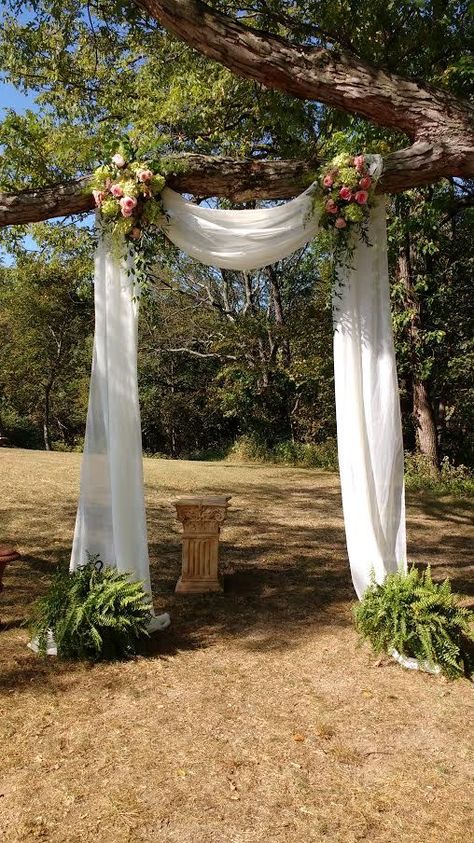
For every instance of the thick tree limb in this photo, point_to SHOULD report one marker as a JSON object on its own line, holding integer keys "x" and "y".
{"x": 439, "y": 125}
{"x": 239, "y": 181}
{"x": 339, "y": 79}
{"x": 202, "y": 176}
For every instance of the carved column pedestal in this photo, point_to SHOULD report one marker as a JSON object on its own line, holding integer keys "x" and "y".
{"x": 201, "y": 519}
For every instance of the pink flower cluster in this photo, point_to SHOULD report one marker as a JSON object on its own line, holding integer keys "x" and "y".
{"x": 127, "y": 204}
{"x": 360, "y": 195}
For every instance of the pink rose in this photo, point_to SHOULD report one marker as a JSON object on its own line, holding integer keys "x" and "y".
{"x": 118, "y": 160}
{"x": 345, "y": 193}
{"x": 328, "y": 181}
{"x": 359, "y": 162}
{"x": 98, "y": 197}
{"x": 361, "y": 197}
{"x": 128, "y": 202}
{"x": 116, "y": 191}
{"x": 340, "y": 222}
{"x": 365, "y": 182}
{"x": 145, "y": 175}
{"x": 331, "y": 207}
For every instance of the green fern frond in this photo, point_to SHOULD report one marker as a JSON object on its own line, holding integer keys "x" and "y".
{"x": 419, "y": 618}
{"x": 95, "y": 612}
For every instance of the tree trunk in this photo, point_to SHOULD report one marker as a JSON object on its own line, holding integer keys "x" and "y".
{"x": 278, "y": 313}
{"x": 423, "y": 412}
{"x": 47, "y": 417}
{"x": 426, "y": 434}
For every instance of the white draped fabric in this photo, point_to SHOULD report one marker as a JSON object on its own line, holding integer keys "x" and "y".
{"x": 369, "y": 430}
{"x": 111, "y": 514}
{"x": 239, "y": 239}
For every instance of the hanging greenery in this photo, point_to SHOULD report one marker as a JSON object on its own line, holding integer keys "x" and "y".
{"x": 419, "y": 619}
{"x": 93, "y": 613}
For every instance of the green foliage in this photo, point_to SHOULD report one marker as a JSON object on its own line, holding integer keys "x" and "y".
{"x": 451, "y": 479}
{"x": 102, "y": 71}
{"x": 430, "y": 232}
{"x": 304, "y": 455}
{"x": 45, "y": 338}
{"x": 94, "y": 613}
{"x": 420, "y": 619}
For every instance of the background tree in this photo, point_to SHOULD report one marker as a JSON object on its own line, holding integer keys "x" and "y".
{"x": 45, "y": 339}
{"x": 433, "y": 260}
{"x": 223, "y": 354}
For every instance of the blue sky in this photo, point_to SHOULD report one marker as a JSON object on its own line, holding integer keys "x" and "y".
{"x": 10, "y": 97}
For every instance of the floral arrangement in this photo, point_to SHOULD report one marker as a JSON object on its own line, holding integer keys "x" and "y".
{"x": 345, "y": 194}
{"x": 127, "y": 194}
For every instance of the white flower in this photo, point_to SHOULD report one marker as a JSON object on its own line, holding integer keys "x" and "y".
{"x": 118, "y": 160}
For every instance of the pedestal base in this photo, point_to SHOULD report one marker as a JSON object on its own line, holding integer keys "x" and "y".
{"x": 197, "y": 586}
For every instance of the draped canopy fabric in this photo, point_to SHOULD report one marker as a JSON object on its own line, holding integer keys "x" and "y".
{"x": 111, "y": 514}
{"x": 242, "y": 240}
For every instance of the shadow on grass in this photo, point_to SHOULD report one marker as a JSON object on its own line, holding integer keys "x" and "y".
{"x": 284, "y": 579}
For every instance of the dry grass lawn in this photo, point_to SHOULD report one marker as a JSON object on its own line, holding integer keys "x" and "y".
{"x": 256, "y": 717}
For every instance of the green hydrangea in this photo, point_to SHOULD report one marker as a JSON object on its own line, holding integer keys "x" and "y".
{"x": 157, "y": 183}
{"x": 348, "y": 176}
{"x": 130, "y": 188}
{"x": 341, "y": 160}
{"x": 153, "y": 213}
{"x": 353, "y": 213}
{"x": 109, "y": 209}
{"x": 123, "y": 226}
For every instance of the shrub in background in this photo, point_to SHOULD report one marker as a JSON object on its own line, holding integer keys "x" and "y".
{"x": 420, "y": 619}
{"x": 451, "y": 480}
{"x": 94, "y": 613}
{"x": 300, "y": 454}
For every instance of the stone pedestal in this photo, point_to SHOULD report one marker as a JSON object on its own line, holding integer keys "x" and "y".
{"x": 201, "y": 519}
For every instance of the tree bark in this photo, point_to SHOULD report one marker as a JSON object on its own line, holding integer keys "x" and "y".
{"x": 332, "y": 76}
{"x": 423, "y": 412}
{"x": 239, "y": 181}
{"x": 426, "y": 434}
{"x": 279, "y": 313}
{"x": 47, "y": 416}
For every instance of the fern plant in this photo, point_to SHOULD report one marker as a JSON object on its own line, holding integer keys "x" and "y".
{"x": 419, "y": 618}
{"x": 94, "y": 613}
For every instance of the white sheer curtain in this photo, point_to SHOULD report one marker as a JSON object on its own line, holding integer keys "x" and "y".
{"x": 369, "y": 431}
{"x": 239, "y": 239}
{"x": 111, "y": 518}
